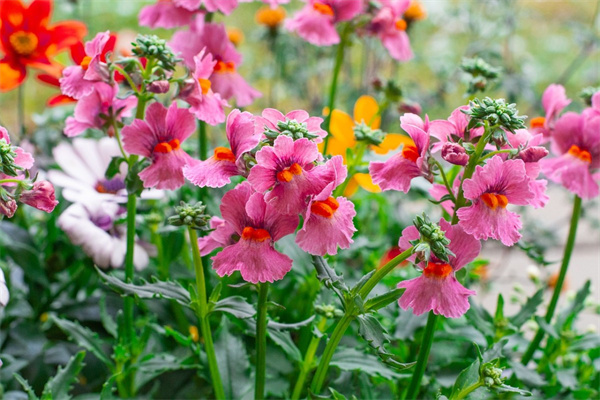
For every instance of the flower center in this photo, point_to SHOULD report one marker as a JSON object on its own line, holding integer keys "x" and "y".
{"x": 583, "y": 155}
{"x": 437, "y": 270}
{"x": 401, "y": 24}
{"x": 537, "y": 122}
{"x": 24, "y": 43}
{"x": 494, "y": 201}
{"x": 288, "y": 174}
{"x": 325, "y": 208}
{"x": 167, "y": 147}
{"x": 85, "y": 63}
{"x": 257, "y": 235}
{"x": 269, "y": 17}
{"x": 222, "y": 66}
{"x": 410, "y": 152}
{"x": 204, "y": 85}
{"x": 323, "y": 8}
{"x": 224, "y": 154}
{"x": 111, "y": 186}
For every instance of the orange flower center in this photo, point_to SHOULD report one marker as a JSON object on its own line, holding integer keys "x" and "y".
{"x": 85, "y": 63}
{"x": 583, "y": 155}
{"x": 270, "y": 18}
{"x": 23, "y": 43}
{"x": 325, "y": 208}
{"x": 167, "y": 147}
{"x": 204, "y": 85}
{"x": 100, "y": 188}
{"x": 257, "y": 235}
{"x": 494, "y": 201}
{"x": 223, "y": 66}
{"x": 410, "y": 152}
{"x": 437, "y": 270}
{"x": 323, "y": 8}
{"x": 224, "y": 154}
{"x": 235, "y": 35}
{"x": 537, "y": 122}
{"x": 287, "y": 174}
{"x": 401, "y": 24}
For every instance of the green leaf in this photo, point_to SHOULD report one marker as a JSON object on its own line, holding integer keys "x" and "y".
{"x": 330, "y": 278}
{"x": 30, "y": 393}
{"x": 510, "y": 389}
{"x": 154, "y": 365}
{"x": 83, "y": 337}
{"x": 377, "y": 302}
{"x": 528, "y": 309}
{"x": 216, "y": 293}
{"x": 236, "y": 306}
{"x": 371, "y": 330}
{"x": 467, "y": 378}
{"x": 568, "y": 315}
{"x": 159, "y": 289}
{"x": 356, "y": 288}
{"x": 348, "y": 359}
{"x": 133, "y": 183}
{"x": 336, "y": 395}
{"x": 233, "y": 363}
{"x": 284, "y": 340}
{"x": 59, "y": 386}
{"x": 527, "y": 376}
{"x": 499, "y": 316}
{"x": 107, "y": 321}
{"x": 546, "y": 327}
{"x": 586, "y": 342}
{"x": 481, "y": 319}
{"x": 567, "y": 378}
{"x": 294, "y": 326}
{"x": 114, "y": 167}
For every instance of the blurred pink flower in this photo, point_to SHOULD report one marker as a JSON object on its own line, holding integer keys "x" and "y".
{"x": 40, "y": 196}
{"x": 453, "y": 129}
{"x": 166, "y": 14}
{"x": 554, "y": 100}
{"x": 389, "y": 26}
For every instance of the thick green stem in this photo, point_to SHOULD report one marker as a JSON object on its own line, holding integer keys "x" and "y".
{"x": 308, "y": 360}
{"x": 339, "y": 59}
{"x": 559, "y": 283}
{"x": 415, "y": 382}
{"x": 261, "y": 341}
{"x": 383, "y": 271}
{"x": 202, "y": 311}
{"x": 129, "y": 268}
{"x": 202, "y": 141}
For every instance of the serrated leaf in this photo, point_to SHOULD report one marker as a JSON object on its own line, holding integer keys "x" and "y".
{"x": 284, "y": 340}
{"x": 348, "y": 359}
{"x": 159, "y": 289}
{"x": 528, "y": 309}
{"x": 356, "y": 288}
{"x": 481, "y": 319}
{"x": 133, "y": 183}
{"x": 330, "y": 278}
{"x": 568, "y": 315}
{"x": 107, "y": 321}
{"x": 236, "y": 306}
{"x": 59, "y": 386}
{"x": 293, "y": 326}
{"x": 30, "y": 393}
{"x": 154, "y": 365}
{"x": 83, "y": 337}
{"x": 378, "y": 302}
{"x": 370, "y": 329}
{"x": 233, "y": 363}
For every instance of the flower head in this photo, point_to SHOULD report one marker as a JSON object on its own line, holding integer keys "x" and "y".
{"x": 223, "y": 235}
{"x": 454, "y": 130}
{"x": 554, "y": 100}
{"x": 166, "y": 14}
{"x": 390, "y": 26}
{"x": 40, "y": 196}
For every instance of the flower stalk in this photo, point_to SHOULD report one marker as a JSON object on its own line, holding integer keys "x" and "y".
{"x": 308, "y": 360}
{"x": 415, "y": 382}
{"x": 261, "y": 341}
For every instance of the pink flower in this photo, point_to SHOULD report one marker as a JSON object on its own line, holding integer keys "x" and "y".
{"x": 576, "y": 143}
{"x": 22, "y": 158}
{"x": 455, "y": 154}
{"x": 389, "y": 26}
{"x": 223, "y": 235}
{"x": 288, "y": 171}
{"x": 272, "y": 3}
{"x": 243, "y": 135}
{"x": 437, "y": 289}
{"x": 41, "y": 196}
{"x": 165, "y": 14}
{"x": 316, "y": 22}
{"x": 453, "y": 129}
{"x": 205, "y": 104}
{"x": 95, "y": 110}
{"x": 258, "y": 225}
{"x": 79, "y": 80}
{"x": 270, "y": 118}
{"x": 328, "y": 220}
{"x": 554, "y": 100}
{"x": 397, "y": 172}
{"x": 493, "y": 187}
{"x": 159, "y": 138}
{"x": 225, "y": 79}
{"x": 224, "y": 6}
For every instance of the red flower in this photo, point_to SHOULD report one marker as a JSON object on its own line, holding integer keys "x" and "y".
{"x": 27, "y": 39}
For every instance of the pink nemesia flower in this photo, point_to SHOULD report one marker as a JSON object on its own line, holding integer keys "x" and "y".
{"x": 166, "y": 14}
{"x": 243, "y": 135}
{"x": 490, "y": 190}
{"x": 398, "y": 171}
{"x": 455, "y": 154}
{"x": 41, "y": 196}
{"x": 389, "y": 26}
{"x": 328, "y": 220}
{"x": 453, "y": 129}
{"x": 159, "y": 138}
{"x": 288, "y": 171}
{"x": 437, "y": 288}
{"x": 316, "y": 22}
{"x": 205, "y": 104}
{"x": 270, "y": 118}
{"x": 554, "y": 100}
{"x": 258, "y": 225}
{"x": 223, "y": 235}
{"x": 79, "y": 80}
{"x": 92, "y": 110}
{"x": 22, "y": 158}
{"x": 273, "y": 3}
{"x": 225, "y": 79}
{"x": 576, "y": 143}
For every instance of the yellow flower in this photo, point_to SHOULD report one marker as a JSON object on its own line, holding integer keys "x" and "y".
{"x": 269, "y": 17}
{"x": 236, "y": 36}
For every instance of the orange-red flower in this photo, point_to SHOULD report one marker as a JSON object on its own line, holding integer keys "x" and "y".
{"x": 28, "y": 40}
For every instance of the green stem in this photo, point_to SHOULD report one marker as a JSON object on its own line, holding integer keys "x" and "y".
{"x": 129, "y": 267}
{"x": 202, "y": 311}
{"x": 415, "y": 382}
{"x": 493, "y": 153}
{"x": 261, "y": 341}
{"x": 339, "y": 59}
{"x": 559, "y": 284}
{"x": 308, "y": 360}
{"x": 466, "y": 391}
{"x": 383, "y": 271}
{"x": 202, "y": 154}
{"x": 127, "y": 77}
{"x": 446, "y": 182}
{"x": 11, "y": 181}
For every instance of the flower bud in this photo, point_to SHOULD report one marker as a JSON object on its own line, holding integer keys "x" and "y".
{"x": 455, "y": 154}
{"x": 533, "y": 154}
{"x": 8, "y": 205}
{"x": 41, "y": 196}
{"x": 190, "y": 215}
{"x": 158, "y": 87}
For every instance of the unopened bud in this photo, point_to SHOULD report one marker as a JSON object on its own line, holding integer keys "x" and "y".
{"x": 190, "y": 215}
{"x": 455, "y": 154}
{"x": 158, "y": 87}
{"x": 533, "y": 154}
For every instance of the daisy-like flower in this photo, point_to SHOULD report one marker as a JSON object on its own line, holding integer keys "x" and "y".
{"x": 225, "y": 79}
{"x": 223, "y": 235}
{"x": 27, "y": 39}
{"x": 205, "y": 104}
{"x": 554, "y": 100}
{"x": 453, "y": 129}
{"x": 97, "y": 109}
{"x": 437, "y": 289}
{"x": 288, "y": 171}
{"x": 576, "y": 145}
{"x": 79, "y": 80}
{"x": 316, "y": 22}
{"x": 297, "y": 122}
{"x": 243, "y": 135}
{"x": 4, "y": 294}
{"x": 159, "y": 138}
{"x": 492, "y": 188}
{"x": 328, "y": 220}
{"x": 411, "y": 162}
{"x": 92, "y": 226}
{"x": 390, "y": 27}
{"x": 258, "y": 225}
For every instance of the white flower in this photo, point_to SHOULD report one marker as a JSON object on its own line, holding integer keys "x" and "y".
{"x": 4, "y": 295}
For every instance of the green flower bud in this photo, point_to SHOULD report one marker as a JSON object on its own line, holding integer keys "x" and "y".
{"x": 479, "y": 73}
{"x": 364, "y": 133}
{"x": 495, "y": 112}
{"x": 152, "y": 47}
{"x": 7, "y": 159}
{"x": 587, "y": 94}
{"x": 190, "y": 215}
